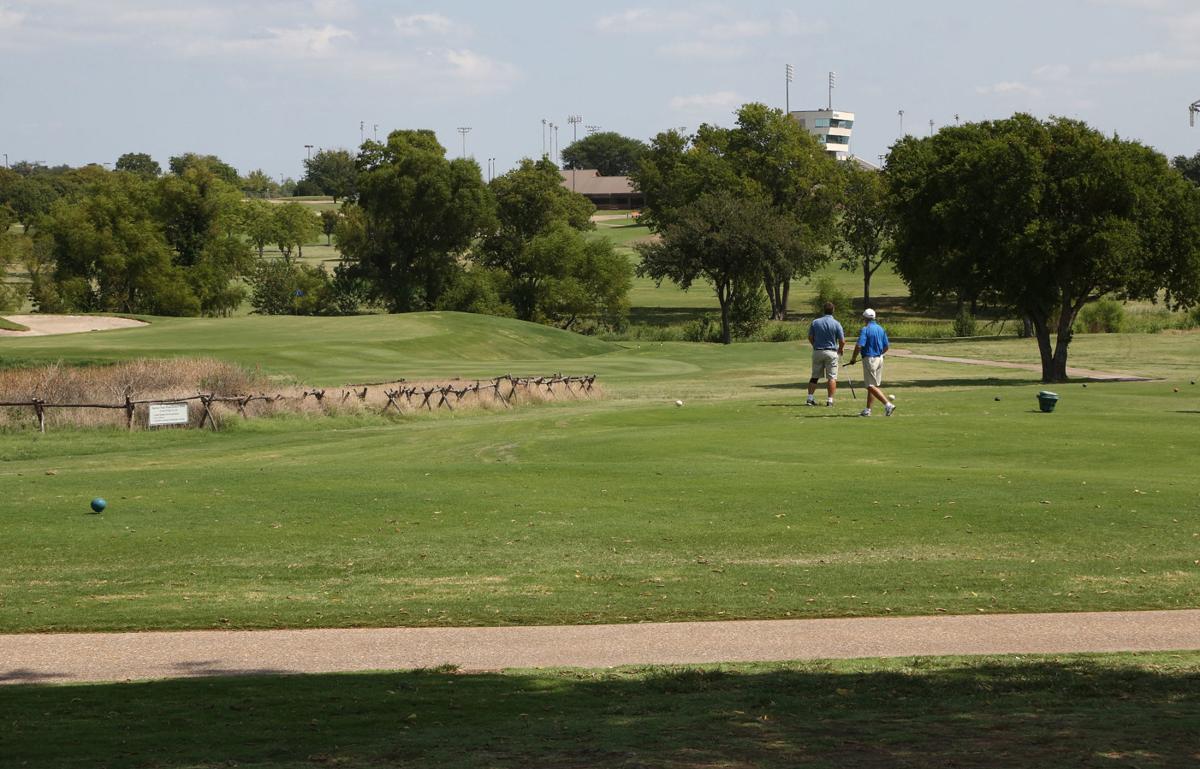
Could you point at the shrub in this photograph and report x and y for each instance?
(827, 290)
(289, 289)
(964, 323)
(748, 312)
(1106, 316)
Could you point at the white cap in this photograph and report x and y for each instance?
(869, 314)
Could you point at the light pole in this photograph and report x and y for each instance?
(901, 114)
(361, 138)
(955, 118)
(464, 130)
(6, 160)
(881, 157)
(1192, 110)
(832, 83)
(543, 138)
(788, 72)
(308, 148)
(931, 128)
(574, 120)
(375, 129)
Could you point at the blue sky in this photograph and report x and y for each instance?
(85, 81)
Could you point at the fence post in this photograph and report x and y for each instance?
(39, 408)
(128, 412)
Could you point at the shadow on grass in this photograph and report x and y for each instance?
(1082, 711)
(666, 316)
(844, 384)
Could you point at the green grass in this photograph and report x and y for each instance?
(741, 504)
(9, 325)
(1047, 711)
(333, 351)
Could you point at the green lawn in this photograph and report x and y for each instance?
(1120, 710)
(741, 504)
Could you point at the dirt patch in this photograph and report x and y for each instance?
(47, 325)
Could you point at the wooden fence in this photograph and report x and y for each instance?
(502, 389)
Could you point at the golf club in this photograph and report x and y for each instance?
(850, 382)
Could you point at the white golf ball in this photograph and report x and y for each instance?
(678, 403)
(891, 397)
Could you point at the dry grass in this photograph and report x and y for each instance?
(242, 393)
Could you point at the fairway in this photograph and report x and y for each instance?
(741, 504)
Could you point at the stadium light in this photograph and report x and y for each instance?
(464, 130)
(1192, 110)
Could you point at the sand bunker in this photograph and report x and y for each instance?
(45, 325)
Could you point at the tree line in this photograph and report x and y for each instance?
(1030, 218)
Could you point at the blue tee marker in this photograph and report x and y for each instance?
(98, 505)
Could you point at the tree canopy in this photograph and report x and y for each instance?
(551, 273)
(415, 213)
(864, 228)
(766, 155)
(608, 152)
(1044, 216)
(139, 163)
(333, 172)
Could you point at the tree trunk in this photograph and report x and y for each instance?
(1065, 332)
(1043, 339)
(867, 282)
(724, 296)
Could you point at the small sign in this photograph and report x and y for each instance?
(168, 414)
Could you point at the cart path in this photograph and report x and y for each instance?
(1074, 373)
(75, 658)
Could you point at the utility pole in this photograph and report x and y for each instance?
(832, 83)
(464, 130)
(574, 120)
(788, 73)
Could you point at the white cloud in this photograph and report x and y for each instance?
(483, 72)
(1146, 63)
(1007, 87)
(705, 101)
(1052, 72)
(702, 49)
(278, 43)
(334, 9)
(421, 24)
(647, 20)
(792, 24)
(737, 30)
(10, 19)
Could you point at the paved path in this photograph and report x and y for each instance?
(81, 657)
(1074, 373)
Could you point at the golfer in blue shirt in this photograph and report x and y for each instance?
(828, 340)
(873, 345)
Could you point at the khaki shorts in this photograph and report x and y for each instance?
(825, 364)
(873, 371)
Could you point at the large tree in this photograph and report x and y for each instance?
(765, 155)
(608, 152)
(222, 170)
(1189, 167)
(295, 225)
(333, 172)
(723, 240)
(1047, 216)
(864, 228)
(552, 273)
(415, 213)
(106, 251)
(139, 163)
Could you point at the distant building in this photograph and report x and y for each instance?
(831, 127)
(610, 192)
